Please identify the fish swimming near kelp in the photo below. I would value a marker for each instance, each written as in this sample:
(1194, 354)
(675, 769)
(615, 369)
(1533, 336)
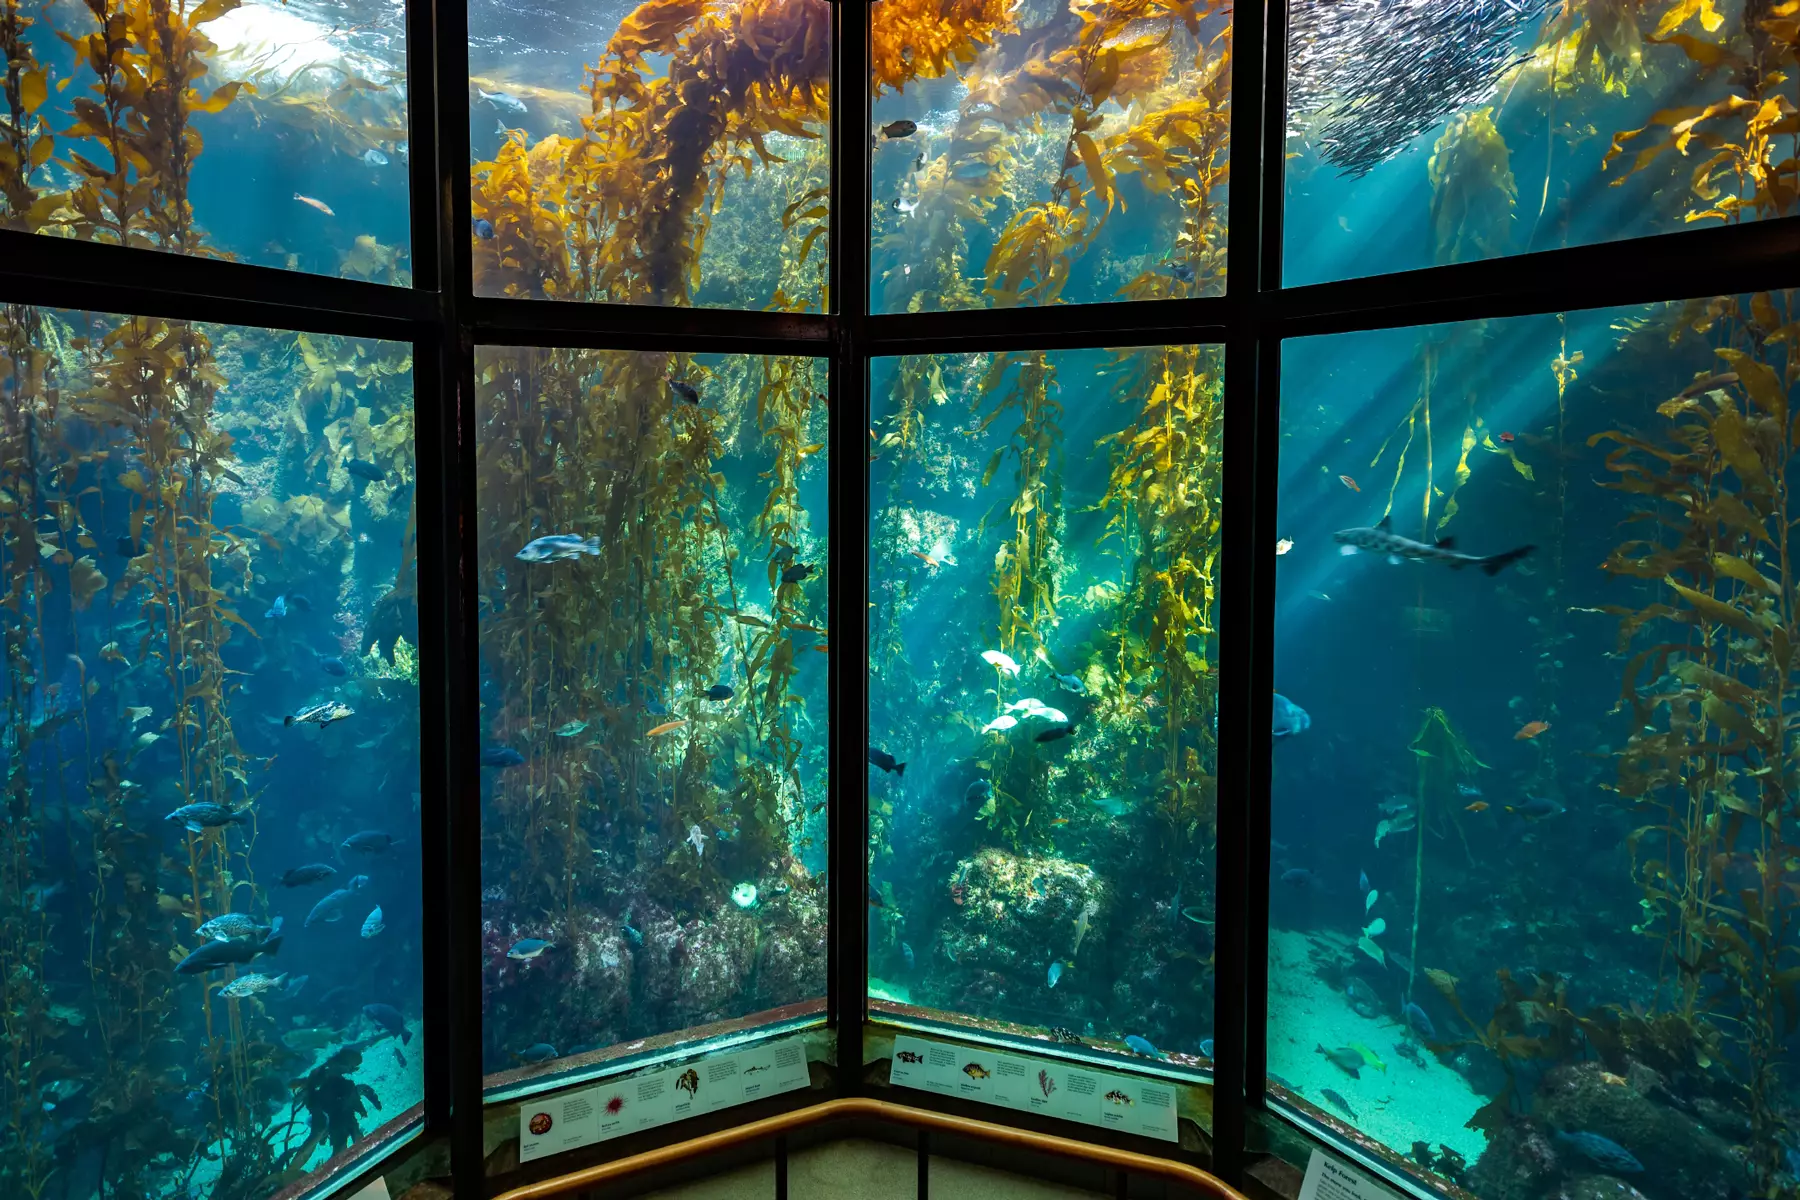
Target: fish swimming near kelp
(317, 204)
(233, 925)
(556, 547)
(322, 714)
(1602, 1150)
(1381, 539)
(370, 841)
(198, 818)
(213, 955)
(528, 948)
(504, 101)
(894, 130)
(310, 873)
(389, 1018)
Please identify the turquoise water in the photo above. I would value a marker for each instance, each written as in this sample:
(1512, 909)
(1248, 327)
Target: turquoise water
(207, 551)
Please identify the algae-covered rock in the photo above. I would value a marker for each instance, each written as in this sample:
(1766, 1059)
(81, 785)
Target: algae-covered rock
(1518, 1164)
(1682, 1159)
(1597, 1187)
(1012, 916)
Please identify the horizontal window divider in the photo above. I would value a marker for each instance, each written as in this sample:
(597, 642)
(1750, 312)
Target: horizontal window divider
(1726, 260)
(55, 272)
(1072, 327)
(507, 322)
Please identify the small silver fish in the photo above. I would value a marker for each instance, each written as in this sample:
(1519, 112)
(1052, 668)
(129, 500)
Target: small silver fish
(373, 924)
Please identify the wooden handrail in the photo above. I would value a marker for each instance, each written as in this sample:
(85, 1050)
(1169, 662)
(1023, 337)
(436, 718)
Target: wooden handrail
(1203, 1182)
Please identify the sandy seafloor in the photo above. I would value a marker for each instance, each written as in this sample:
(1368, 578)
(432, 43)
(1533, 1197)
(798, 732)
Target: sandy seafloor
(1406, 1104)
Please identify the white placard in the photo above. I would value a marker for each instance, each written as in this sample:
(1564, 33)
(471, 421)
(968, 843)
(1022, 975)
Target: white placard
(557, 1123)
(1329, 1178)
(1044, 1086)
(623, 1106)
(376, 1190)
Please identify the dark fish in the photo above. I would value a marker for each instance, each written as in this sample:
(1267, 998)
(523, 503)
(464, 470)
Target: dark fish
(1056, 732)
(484, 229)
(201, 817)
(886, 761)
(919, 162)
(389, 1018)
(500, 756)
(1602, 1150)
(322, 714)
(1298, 876)
(978, 792)
(128, 548)
(1416, 1017)
(632, 935)
(720, 691)
(537, 1052)
(1344, 1059)
(1183, 272)
(1536, 808)
(334, 666)
(875, 900)
(1381, 539)
(298, 603)
(1338, 1100)
(213, 955)
(365, 470)
(684, 391)
(895, 130)
(370, 841)
(796, 573)
(310, 873)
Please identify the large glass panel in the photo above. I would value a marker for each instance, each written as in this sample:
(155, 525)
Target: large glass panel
(210, 908)
(271, 132)
(671, 152)
(1047, 153)
(1422, 133)
(653, 696)
(1043, 691)
(1534, 908)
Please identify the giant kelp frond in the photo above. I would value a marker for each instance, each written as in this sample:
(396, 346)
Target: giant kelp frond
(928, 39)
(1472, 189)
(1707, 682)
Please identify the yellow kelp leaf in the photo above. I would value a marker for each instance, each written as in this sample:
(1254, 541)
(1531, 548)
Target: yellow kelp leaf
(1762, 311)
(1743, 572)
(1716, 610)
(1462, 474)
(1710, 20)
(1707, 54)
(1760, 381)
(1727, 716)
(210, 10)
(1729, 435)
(32, 91)
(1098, 175)
(41, 150)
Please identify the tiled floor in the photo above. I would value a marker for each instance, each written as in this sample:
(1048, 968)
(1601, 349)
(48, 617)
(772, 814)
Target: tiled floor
(868, 1170)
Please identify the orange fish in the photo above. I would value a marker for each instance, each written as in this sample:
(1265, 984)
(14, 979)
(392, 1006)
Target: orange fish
(318, 204)
(1060, 821)
(1530, 731)
(925, 558)
(1349, 483)
(1478, 806)
(665, 727)
(1506, 437)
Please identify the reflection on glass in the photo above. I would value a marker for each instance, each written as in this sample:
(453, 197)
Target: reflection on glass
(1424, 133)
(670, 153)
(286, 147)
(1057, 153)
(209, 884)
(1043, 687)
(1534, 907)
(653, 664)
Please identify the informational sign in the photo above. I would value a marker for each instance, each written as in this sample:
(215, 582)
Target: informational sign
(1055, 1089)
(1331, 1178)
(378, 1190)
(571, 1120)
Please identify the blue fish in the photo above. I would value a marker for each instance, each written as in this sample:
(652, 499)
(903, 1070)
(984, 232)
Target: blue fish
(555, 546)
(1290, 718)
(1206, 1047)
(1362, 881)
(334, 666)
(374, 157)
(484, 229)
(906, 952)
(1070, 683)
(1467, 789)
(632, 935)
(1141, 1045)
(1298, 876)
(537, 1052)
(528, 948)
(1602, 1150)
(1415, 1016)
(500, 756)
(278, 609)
(1056, 970)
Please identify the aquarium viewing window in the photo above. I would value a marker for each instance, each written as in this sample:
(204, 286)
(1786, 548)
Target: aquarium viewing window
(858, 521)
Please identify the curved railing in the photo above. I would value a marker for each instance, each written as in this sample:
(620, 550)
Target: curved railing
(1203, 1182)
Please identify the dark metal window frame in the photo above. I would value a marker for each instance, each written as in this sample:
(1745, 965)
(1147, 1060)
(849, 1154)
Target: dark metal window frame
(445, 321)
